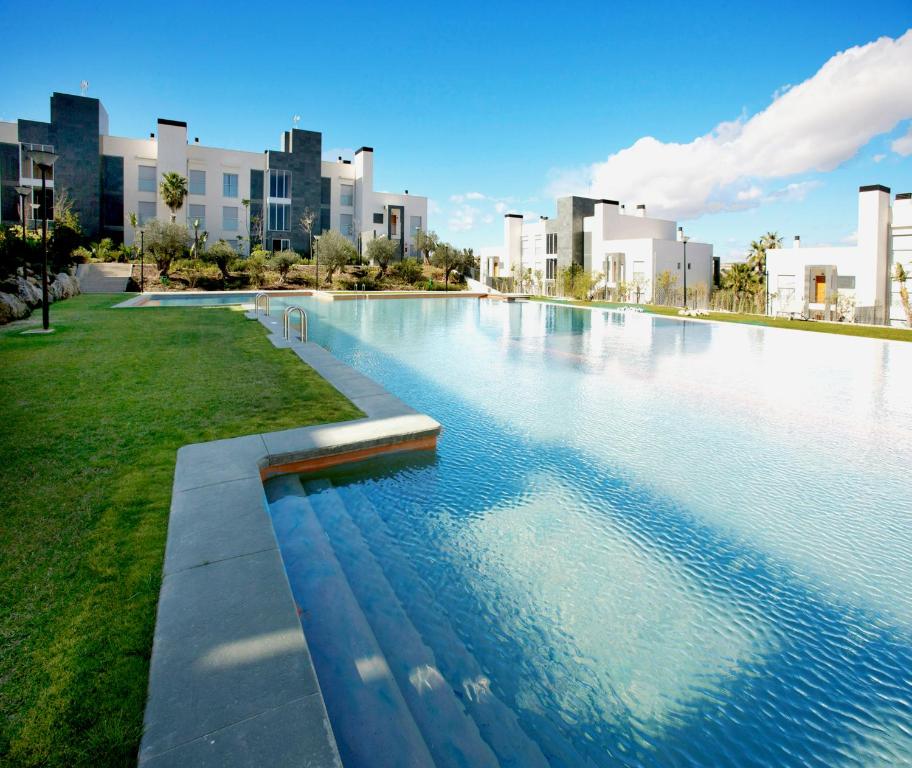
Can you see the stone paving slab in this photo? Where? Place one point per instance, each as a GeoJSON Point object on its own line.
{"type": "Point", "coordinates": [231, 681]}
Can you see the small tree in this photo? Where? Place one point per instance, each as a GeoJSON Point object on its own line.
{"type": "Point", "coordinates": [166, 242]}
{"type": "Point", "coordinates": [306, 224]}
{"type": "Point", "coordinates": [283, 261]}
{"type": "Point", "coordinates": [255, 265]}
{"type": "Point", "coordinates": [335, 251]}
{"type": "Point", "coordinates": [444, 257]}
{"type": "Point", "coordinates": [426, 244]}
{"type": "Point", "coordinates": [382, 251]}
{"type": "Point", "coordinates": [638, 285]}
{"type": "Point", "coordinates": [221, 254]}
{"type": "Point", "coordinates": [173, 188]}
{"type": "Point", "coordinates": [900, 276]}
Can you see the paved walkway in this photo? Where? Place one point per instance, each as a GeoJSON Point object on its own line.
{"type": "Point", "coordinates": [104, 277]}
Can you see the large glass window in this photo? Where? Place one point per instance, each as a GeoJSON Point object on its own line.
{"type": "Point", "coordinates": [279, 217]}
{"type": "Point", "coordinates": [551, 244]}
{"type": "Point", "coordinates": [346, 195]}
{"type": "Point", "coordinates": [280, 184]}
{"type": "Point", "coordinates": [324, 220]}
{"type": "Point", "coordinates": [230, 218]}
{"type": "Point", "coordinates": [145, 211]}
{"type": "Point", "coordinates": [229, 185]}
{"type": "Point", "coordinates": [345, 224]}
{"type": "Point", "coordinates": [147, 178]}
{"type": "Point", "coordinates": [414, 225]}
{"type": "Point", "coordinates": [195, 212]}
{"type": "Point", "coordinates": [325, 190]}
{"type": "Point", "coordinates": [197, 185]}
{"type": "Point", "coordinates": [550, 268]}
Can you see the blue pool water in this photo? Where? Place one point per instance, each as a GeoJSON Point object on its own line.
{"type": "Point", "coordinates": [193, 299]}
{"type": "Point", "coordinates": [641, 542]}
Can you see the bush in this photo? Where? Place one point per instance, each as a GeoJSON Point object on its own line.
{"type": "Point", "coordinates": [334, 251]}
{"type": "Point", "coordinates": [221, 255]}
{"type": "Point", "coordinates": [407, 270]}
{"type": "Point", "coordinates": [255, 267]}
{"type": "Point", "coordinates": [81, 255]}
{"type": "Point", "coordinates": [381, 251]}
{"type": "Point", "coordinates": [166, 241]}
{"type": "Point", "coordinates": [282, 262]}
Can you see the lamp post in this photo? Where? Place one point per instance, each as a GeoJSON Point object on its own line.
{"type": "Point", "coordinates": [45, 161]}
{"type": "Point", "coordinates": [142, 261]}
{"type": "Point", "coordinates": [23, 193]}
{"type": "Point", "coordinates": [684, 239]}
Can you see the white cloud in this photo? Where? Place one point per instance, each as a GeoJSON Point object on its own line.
{"type": "Point", "coordinates": [467, 196]}
{"type": "Point", "coordinates": [879, 158]}
{"type": "Point", "coordinates": [816, 125]}
{"type": "Point", "coordinates": [433, 206]}
{"type": "Point", "coordinates": [463, 218]}
{"type": "Point", "coordinates": [903, 145]}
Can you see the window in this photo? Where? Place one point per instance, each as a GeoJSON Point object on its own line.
{"type": "Point", "coordinates": [230, 218]}
{"type": "Point", "coordinates": [145, 211]}
{"type": "Point", "coordinates": [550, 267]}
{"type": "Point", "coordinates": [538, 246]}
{"type": "Point", "coordinates": [280, 184]}
{"type": "Point", "coordinates": [147, 178]}
{"type": "Point", "coordinates": [551, 244]}
{"type": "Point", "coordinates": [414, 225]}
{"type": "Point", "coordinates": [324, 219]}
{"type": "Point", "coordinates": [279, 217]}
{"type": "Point", "coordinates": [345, 224]}
{"type": "Point", "coordinates": [229, 185]}
{"type": "Point", "coordinates": [197, 184]}
{"type": "Point", "coordinates": [378, 218]}
{"type": "Point", "coordinates": [639, 270]}
{"type": "Point", "coordinates": [346, 195]}
{"type": "Point", "coordinates": [194, 213]}
{"type": "Point", "coordinates": [325, 191]}
{"type": "Point", "coordinates": [845, 282]}
{"type": "Point", "coordinates": [524, 247]}
{"type": "Point", "coordinates": [786, 289]}
{"type": "Point", "coordinates": [281, 244]}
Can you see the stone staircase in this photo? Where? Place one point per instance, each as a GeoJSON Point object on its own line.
{"type": "Point", "coordinates": [401, 688]}
{"type": "Point", "coordinates": [104, 277]}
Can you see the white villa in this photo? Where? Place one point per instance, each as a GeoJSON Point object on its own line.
{"type": "Point", "coordinates": [613, 246]}
{"type": "Point", "coordinates": [854, 283]}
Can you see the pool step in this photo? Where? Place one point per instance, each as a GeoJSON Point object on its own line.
{"type": "Point", "coordinates": [451, 735]}
{"type": "Point", "coordinates": [371, 721]}
{"type": "Point", "coordinates": [496, 722]}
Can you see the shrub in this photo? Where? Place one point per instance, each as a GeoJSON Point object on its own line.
{"type": "Point", "coordinates": [221, 255]}
{"type": "Point", "coordinates": [81, 255]}
{"type": "Point", "coordinates": [407, 270]}
{"type": "Point", "coordinates": [255, 266]}
{"type": "Point", "coordinates": [166, 241]}
{"type": "Point", "coordinates": [381, 251]}
{"type": "Point", "coordinates": [282, 262]}
{"type": "Point", "coordinates": [334, 252]}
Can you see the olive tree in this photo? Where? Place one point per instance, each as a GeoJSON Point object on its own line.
{"type": "Point", "coordinates": [426, 243]}
{"type": "Point", "coordinates": [221, 254]}
{"type": "Point", "coordinates": [166, 241]}
{"type": "Point", "coordinates": [335, 251]}
{"type": "Point", "coordinates": [283, 261]}
{"type": "Point", "coordinates": [382, 251]}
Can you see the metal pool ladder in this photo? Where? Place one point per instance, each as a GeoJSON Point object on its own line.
{"type": "Point", "coordinates": [288, 313]}
{"type": "Point", "coordinates": [256, 302]}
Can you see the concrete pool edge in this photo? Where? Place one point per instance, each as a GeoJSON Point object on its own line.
{"type": "Point", "coordinates": [231, 680]}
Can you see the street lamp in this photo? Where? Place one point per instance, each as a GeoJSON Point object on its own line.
{"type": "Point", "coordinates": [45, 161]}
{"type": "Point", "coordinates": [23, 193]}
{"type": "Point", "coordinates": [142, 261]}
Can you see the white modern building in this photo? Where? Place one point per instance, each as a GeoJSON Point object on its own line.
{"type": "Point", "coordinates": [613, 246]}
{"type": "Point", "coordinates": [108, 177]}
{"type": "Point", "coordinates": [852, 283]}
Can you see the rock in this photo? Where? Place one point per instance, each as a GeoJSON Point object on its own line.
{"type": "Point", "coordinates": [27, 292]}
{"type": "Point", "coordinates": [12, 308]}
{"type": "Point", "coordinates": [63, 287]}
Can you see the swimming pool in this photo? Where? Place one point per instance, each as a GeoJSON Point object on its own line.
{"type": "Point", "coordinates": [195, 299]}
{"type": "Point", "coordinates": [641, 542]}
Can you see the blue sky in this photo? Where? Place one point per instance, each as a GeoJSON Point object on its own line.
{"type": "Point", "coordinates": [488, 108]}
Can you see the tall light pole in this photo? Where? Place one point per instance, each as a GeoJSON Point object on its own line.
{"type": "Point", "coordinates": [684, 239]}
{"type": "Point", "coordinates": [45, 161]}
{"type": "Point", "coordinates": [23, 193]}
{"type": "Point", "coordinates": [142, 261]}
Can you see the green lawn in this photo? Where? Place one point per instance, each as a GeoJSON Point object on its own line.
{"type": "Point", "coordinates": [92, 418]}
{"type": "Point", "coordinates": [844, 329]}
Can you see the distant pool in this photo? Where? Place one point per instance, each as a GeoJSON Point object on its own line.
{"type": "Point", "coordinates": [193, 299]}
{"type": "Point", "coordinates": [642, 542]}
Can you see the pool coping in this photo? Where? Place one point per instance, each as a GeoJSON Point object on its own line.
{"type": "Point", "coordinates": [231, 680]}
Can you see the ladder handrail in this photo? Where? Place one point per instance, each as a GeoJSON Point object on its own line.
{"type": "Point", "coordinates": [287, 322]}
{"type": "Point", "coordinates": [256, 302]}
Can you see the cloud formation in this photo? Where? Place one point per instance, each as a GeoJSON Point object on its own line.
{"type": "Point", "coordinates": [813, 126]}
{"type": "Point", "coordinates": [903, 145]}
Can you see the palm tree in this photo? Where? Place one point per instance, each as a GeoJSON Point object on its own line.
{"type": "Point", "coordinates": [900, 276]}
{"type": "Point", "coordinates": [173, 190]}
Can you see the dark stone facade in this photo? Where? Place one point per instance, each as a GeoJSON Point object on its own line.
{"type": "Point", "coordinates": [302, 156]}
{"type": "Point", "coordinates": [569, 229]}
{"type": "Point", "coordinates": [112, 197]}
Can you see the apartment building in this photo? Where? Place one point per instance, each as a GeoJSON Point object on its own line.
{"type": "Point", "coordinates": [851, 282]}
{"type": "Point", "coordinates": [614, 246]}
{"type": "Point", "coordinates": [233, 194]}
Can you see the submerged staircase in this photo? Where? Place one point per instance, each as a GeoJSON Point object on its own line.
{"type": "Point", "coordinates": [396, 696]}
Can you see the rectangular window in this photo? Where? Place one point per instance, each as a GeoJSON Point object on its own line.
{"type": "Point", "coordinates": [145, 211]}
{"type": "Point", "coordinates": [414, 225]}
{"type": "Point", "coordinates": [324, 219]}
{"type": "Point", "coordinates": [524, 247]}
{"type": "Point", "coordinates": [345, 224]}
{"type": "Point", "coordinates": [346, 195]}
{"type": "Point", "coordinates": [325, 191]}
{"type": "Point", "coordinates": [639, 270]}
{"type": "Point", "coordinates": [197, 185]}
{"type": "Point", "coordinates": [280, 184]}
{"type": "Point", "coordinates": [845, 283]}
{"type": "Point", "coordinates": [281, 244]}
{"type": "Point", "coordinates": [551, 244]}
{"type": "Point", "coordinates": [279, 217]}
{"type": "Point", "coordinates": [550, 267]}
{"type": "Point", "coordinates": [196, 213]}
{"type": "Point", "coordinates": [147, 178]}
{"type": "Point", "coordinates": [229, 185]}
{"type": "Point", "coordinates": [378, 218]}
{"type": "Point", "coordinates": [539, 244]}
{"type": "Point", "coordinates": [230, 218]}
